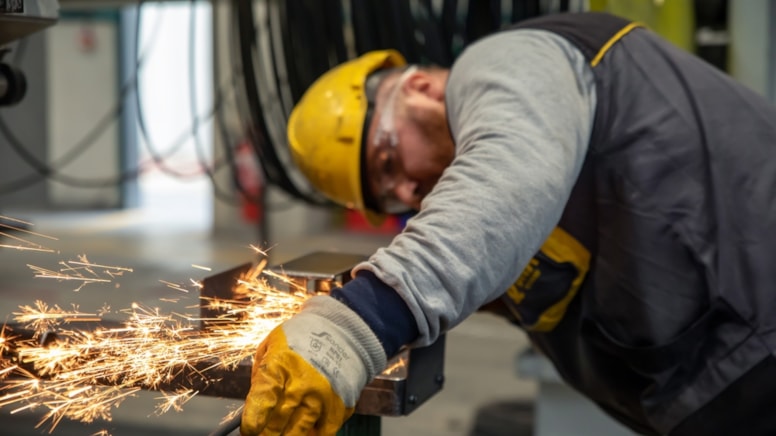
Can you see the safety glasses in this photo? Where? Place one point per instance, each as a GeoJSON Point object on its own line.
{"type": "Point", "coordinates": [386, 139]}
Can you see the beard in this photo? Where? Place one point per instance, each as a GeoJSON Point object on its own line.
{"type": "Point", "coordinates": [434, 150]}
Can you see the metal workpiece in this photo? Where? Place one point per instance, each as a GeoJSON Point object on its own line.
{"type": "Point", "coordinates": [219, 287]}
{"type": "Point", "coordinates": [319, 271]}
{"type": "Point", "coordinates": [418, 375]}
{"type": "Point", "coordinates": [410, 378]}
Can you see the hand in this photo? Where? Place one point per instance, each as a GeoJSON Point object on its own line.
{"type": "Point", "coordinates": [309, 372]}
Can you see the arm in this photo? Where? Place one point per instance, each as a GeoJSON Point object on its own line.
{"type": "Point", "coordinates": [520, 108]}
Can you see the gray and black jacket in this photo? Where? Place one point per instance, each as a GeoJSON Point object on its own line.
{"type": "Point", "coordinates": [623, 193]}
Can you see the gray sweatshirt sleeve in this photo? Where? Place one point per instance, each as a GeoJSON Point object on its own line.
{"type": "Point", "coordinates": [520, 106]}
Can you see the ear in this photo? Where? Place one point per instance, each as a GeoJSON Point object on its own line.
{"type": "Point", "coordinates": [425, 83]}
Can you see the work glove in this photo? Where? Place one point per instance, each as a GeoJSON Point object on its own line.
{"type": "Point", "coordinates": [309, 372]}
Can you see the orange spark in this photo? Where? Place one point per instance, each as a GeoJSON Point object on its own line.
{"type": "Point", "coordinates": [83, 375]}
{"type": "Point", "coordinates": [82, 271]}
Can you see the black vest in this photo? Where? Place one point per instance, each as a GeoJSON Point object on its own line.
{"type": "Point", "coordinates": [676, 204]}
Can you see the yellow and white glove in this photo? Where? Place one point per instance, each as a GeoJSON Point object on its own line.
{"type": "Point", "coordinates": [309, 372]}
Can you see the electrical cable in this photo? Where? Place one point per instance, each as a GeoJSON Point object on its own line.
{"type": "Point", "coordinates": [433, 47]}
{"type": "Point", "coordinates": [270, 94]}
{"type": "Point", "coordinates": [157, 158]}
{"type": "Point", "coordinates": [335, 29]}
{"type": "Point", "coordinates": [408, 30]}
{"type": "Point", "coordinates": [524, 9]}
{"type": "Point", "coordinates": [295, 64]}
{"type": "Point", "coordinates": [226, 140]}
{"type": "Point", "coordinates": [364, 27]}
{"type": "Point", "coordinates": [273, 40]}
{"type": "Point", "coordinates": [51, 171]}
{"type": "Point", "coordinates": [279, 63]}
{"type": "Point", "coordinates": [257, 126]}
{"type": "Point", "coordinates": [390, 29]}
{"type": "Point", "coordinates": [217, 192]}
{"type": "Point", "coordinates": [194, 130]}
{"type": "Point", "coordinates": [481, 19]}
{"type": "Point", "coordinates": [448, 27]}
{"type": "Point", "coordinates": [273, 85]}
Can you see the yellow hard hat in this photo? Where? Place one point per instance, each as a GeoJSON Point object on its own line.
{"type": "Point", "coordinates": [326, 129]}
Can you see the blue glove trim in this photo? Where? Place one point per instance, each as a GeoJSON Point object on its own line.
{"type": "Point", "coordinates": [383, 310]}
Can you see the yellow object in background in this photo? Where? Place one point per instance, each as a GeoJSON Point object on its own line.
{"type": "Point", "coordinates": [672, 19]}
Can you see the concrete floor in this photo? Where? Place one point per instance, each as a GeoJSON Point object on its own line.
{"type": "Point", "coordinates": [480, 387]}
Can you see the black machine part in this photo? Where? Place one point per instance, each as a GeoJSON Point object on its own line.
{"type": "Point", "coordinates": [13, 85]}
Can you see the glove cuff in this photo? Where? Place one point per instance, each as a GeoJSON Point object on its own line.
{"type": "Point", "coordinates": [338, 343]}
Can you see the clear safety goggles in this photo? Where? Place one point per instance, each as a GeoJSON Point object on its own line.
{"type": "Point", "coordinates": [386, 140]}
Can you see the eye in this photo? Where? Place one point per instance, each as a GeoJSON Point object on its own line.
{"type": "Point", "coordinates": [385, 164]}
{"type": "Point", "coordinates": [388, 163]}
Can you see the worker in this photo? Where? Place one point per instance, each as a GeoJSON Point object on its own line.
{"type": "Point", "coordinates": [616, 194]}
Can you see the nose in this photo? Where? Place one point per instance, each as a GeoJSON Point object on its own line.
{"type": "Point", "coordinates": [407, 191]}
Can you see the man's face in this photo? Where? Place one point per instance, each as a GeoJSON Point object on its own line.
{"type": "Point", "coordinates": [408, 143]}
